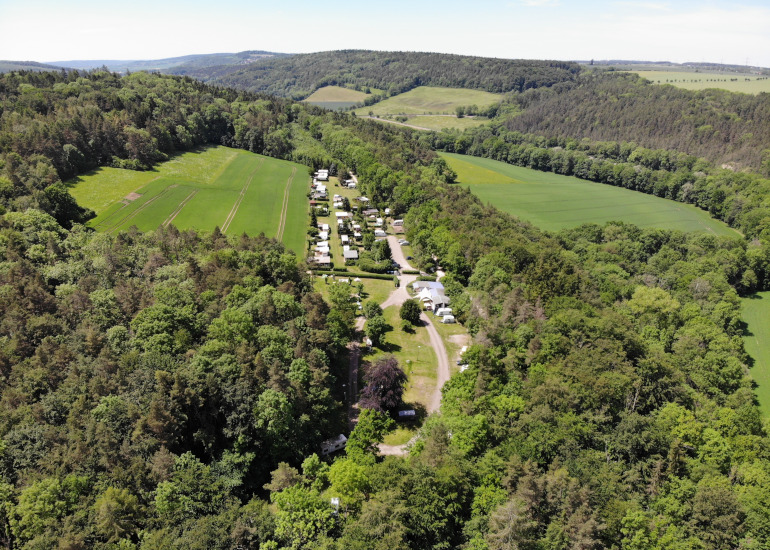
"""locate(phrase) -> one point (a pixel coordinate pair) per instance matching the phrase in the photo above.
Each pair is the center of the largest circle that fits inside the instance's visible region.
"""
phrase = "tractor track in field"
(179, 207)
(237, 205)
(285, 205)
(132, 215)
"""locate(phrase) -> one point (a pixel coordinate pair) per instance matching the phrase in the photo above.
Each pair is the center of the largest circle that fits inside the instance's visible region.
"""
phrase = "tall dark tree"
(385, 382)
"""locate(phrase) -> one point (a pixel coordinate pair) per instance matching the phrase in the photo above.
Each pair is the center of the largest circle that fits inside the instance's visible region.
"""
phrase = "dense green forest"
(724, 127)
(169, 390)
(298, 76)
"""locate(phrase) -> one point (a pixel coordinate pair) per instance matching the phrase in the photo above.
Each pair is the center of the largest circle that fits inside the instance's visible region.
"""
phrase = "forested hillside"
(724, 127)
(168, 390)
(298, 76)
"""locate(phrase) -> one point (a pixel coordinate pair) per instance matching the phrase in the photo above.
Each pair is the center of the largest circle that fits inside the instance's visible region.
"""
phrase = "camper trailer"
(333, 445)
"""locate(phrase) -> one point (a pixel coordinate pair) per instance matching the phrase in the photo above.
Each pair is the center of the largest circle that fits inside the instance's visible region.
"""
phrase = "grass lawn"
(756, 314)
(732, 82)
(414, 354)
(235, 190)
(430, 100)
(374, 289)
(553, 202)
(401, 434)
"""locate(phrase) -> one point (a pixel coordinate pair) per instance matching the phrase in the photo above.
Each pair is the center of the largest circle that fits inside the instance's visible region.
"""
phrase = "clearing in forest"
(430, 100)
(755, 312)
(553, 202)
(335, 97)
(238, 191)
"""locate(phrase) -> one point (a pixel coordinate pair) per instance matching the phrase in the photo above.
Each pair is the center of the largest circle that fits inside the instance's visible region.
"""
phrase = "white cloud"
(539, 3)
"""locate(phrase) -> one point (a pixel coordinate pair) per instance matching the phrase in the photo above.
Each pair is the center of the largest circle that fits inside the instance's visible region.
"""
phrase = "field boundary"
(181, 205)
(237, 205)
(285, 205)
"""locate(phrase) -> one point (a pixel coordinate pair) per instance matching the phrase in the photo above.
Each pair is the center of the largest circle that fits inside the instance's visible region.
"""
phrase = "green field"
(426, 100)
(755, 313)
(335, 93)
(335, 97)
(237, 191)
(553, 202)
(733, 82)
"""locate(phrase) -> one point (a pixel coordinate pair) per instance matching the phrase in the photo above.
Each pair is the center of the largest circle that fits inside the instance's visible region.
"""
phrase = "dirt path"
(179, 208)
(397, 123)
(398, 254)
(285, 206)
(396, 298)
(237, 205)
(442, 374)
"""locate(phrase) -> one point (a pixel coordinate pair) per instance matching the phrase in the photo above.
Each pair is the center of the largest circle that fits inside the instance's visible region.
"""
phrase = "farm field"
(755, 312)
(732, 82)
(426, 100)
(335, 97)
(234, 190)
(553, 202)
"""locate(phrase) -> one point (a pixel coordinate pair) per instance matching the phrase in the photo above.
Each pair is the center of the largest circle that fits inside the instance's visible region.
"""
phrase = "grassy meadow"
(755, 312)
(690, 80)
(427, 100)
(335, 97)
(335, 93)
(553, 202)
(234, 190)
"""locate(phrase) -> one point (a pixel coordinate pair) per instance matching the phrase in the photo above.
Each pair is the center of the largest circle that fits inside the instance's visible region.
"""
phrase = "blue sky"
(715, 31)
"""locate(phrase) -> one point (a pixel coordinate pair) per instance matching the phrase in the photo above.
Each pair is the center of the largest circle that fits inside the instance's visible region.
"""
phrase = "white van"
(448, 319)
(440, 312)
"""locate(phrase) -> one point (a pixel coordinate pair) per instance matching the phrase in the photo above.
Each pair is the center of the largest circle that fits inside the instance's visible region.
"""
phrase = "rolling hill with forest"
(300, 75)
(177, 65)
(172, 388)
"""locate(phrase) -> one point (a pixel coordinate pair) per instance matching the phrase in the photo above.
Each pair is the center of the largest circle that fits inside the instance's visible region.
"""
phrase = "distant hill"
(300, 75)
(176, 65)
(7, 66)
